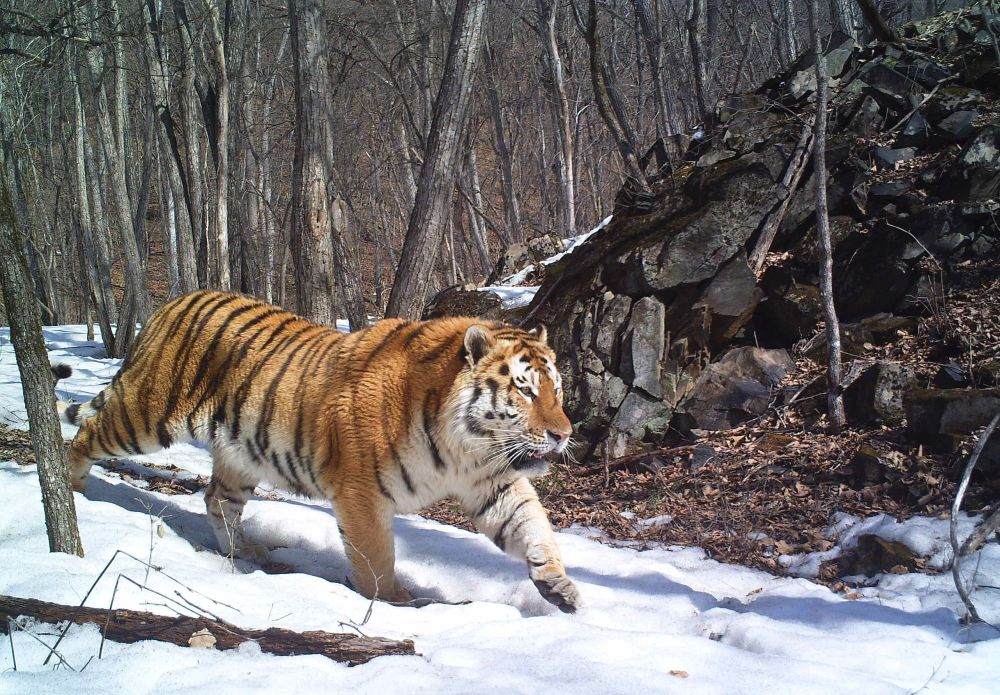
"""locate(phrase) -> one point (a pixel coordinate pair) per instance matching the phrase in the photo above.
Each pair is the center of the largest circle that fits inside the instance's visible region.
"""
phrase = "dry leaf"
(679, 674)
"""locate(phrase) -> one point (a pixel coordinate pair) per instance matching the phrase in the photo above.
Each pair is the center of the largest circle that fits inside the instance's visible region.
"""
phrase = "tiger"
(384, 420)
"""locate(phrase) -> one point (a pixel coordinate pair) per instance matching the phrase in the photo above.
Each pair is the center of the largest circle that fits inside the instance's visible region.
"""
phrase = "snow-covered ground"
(662, 620)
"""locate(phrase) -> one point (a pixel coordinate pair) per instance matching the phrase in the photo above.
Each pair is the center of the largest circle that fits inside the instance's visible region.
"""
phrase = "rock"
(867, 119)
(701, 455)
(639, 416)
(879, 75)
(733, 389)
(870, 468)
(871, 272)
(890, 189)
(708, 238)
(612, 311)
(933, 412)
(879, 329)
(463, 301)
(958, 126)
(787, 316)
(734, 104)
(645, 337)
(951, 376)
(875, 393)
(890, 157)
(714, 157)
(841, 227)
(977, 170)
(519, 256)
(729, 301)
(915, 133)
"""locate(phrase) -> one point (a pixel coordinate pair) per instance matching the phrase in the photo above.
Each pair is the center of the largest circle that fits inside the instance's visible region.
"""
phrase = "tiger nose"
(557, 436)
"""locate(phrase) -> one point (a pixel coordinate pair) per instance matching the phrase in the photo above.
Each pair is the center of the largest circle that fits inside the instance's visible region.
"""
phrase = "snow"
(661, 620)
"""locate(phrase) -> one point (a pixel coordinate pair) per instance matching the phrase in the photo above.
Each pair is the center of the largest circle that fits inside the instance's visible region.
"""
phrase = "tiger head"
(511, 402)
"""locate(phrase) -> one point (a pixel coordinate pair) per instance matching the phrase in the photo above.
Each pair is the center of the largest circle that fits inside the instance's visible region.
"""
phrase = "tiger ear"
(540, 333)
(477, 343)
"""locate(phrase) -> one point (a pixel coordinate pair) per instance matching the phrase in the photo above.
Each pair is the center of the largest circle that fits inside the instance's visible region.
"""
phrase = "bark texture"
(36, 379)
(319, 224)
(429, 218)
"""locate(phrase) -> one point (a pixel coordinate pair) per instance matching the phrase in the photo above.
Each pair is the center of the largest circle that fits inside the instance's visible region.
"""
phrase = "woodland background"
(155, 147)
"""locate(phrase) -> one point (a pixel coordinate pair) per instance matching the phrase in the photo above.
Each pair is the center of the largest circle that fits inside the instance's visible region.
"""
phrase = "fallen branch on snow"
(128, 626)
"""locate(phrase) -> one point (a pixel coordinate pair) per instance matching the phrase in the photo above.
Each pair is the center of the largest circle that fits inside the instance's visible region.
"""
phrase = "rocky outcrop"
(643, 310)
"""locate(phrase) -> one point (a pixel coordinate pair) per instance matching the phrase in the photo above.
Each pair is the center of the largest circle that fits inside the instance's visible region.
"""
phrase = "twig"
(955, 507)
(52, 649)
(80, 607)
(10, 636)
(982, 532)
(923, 101)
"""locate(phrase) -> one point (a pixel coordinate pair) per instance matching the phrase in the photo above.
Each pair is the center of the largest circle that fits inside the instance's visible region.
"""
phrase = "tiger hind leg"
(227, 495)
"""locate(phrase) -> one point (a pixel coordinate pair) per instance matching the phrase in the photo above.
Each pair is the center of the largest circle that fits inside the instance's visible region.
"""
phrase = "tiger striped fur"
(383, 420)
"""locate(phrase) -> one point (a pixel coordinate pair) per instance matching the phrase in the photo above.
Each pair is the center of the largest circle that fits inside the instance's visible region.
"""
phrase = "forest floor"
(771, 487)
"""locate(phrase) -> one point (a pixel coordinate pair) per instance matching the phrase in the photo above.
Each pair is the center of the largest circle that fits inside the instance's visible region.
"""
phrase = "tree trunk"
(159, 77)
(696, 29)
(564, 118)
(610, 105)
(441, 159)
(220, 229)
(835, 398)
(120, 625)
(512, 208)
(36, 378)
(319, 214)
(190, 114)
(93, 228)
(649, 23)
(136, 304)
(874, 18)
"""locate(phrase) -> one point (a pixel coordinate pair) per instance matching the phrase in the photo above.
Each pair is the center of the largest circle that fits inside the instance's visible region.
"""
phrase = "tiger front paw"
(556, 588)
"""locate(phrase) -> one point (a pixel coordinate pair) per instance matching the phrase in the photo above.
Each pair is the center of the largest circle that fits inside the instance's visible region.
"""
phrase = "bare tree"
(835, 396)
(428, 221)
(36, 378)
(319, 213)
(564, 116)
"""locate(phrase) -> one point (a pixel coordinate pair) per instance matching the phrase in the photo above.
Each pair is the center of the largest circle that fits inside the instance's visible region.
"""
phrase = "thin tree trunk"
(697, 24)
(563, 118)
(437, 177)
(36, 378)
(609, 103)
(512, 208)
(221, 226)
(649, 22)
(835, 399)
(319, 214)
(159, 78)
(190, 112)
(93, 228)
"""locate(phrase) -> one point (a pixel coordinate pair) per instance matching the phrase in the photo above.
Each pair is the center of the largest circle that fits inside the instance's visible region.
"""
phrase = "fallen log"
(120, 625)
